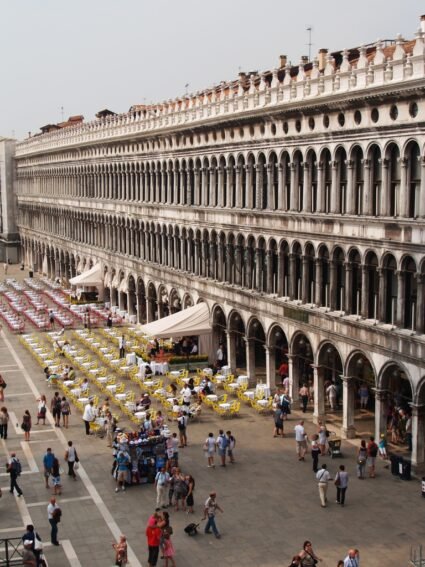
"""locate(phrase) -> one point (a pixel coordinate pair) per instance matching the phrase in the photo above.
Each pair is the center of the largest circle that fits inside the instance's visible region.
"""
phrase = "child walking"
(382, 446)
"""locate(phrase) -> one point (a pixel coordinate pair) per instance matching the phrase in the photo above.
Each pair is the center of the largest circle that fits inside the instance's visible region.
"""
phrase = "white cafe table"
(262, 389)
(212, 397)
(160, 367)
(131, 406)
(243, 379)
(104, 349)
(76, 392)
(109, 356)
(225, 405)
(79, 358)
(175, 373)
(263, 402)
(208, 371)
(89, 339)
(148, 383)
(48, 361)
(102, 379)
(226, 370)
(54, 368)
(111, 387)
(68, 383)
(116, 361)
(161, 392)
(220, 378)
(95, 370)
(249, 394)
(131, 358)
(84, 401)
(44, 356)
(121, 396)
(140, 414)
(96, 344)
(234, 385)
(125, 368)
(87, 364)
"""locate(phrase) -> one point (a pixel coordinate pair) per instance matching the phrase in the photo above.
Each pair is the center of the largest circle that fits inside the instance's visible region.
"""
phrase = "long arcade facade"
(292, 202)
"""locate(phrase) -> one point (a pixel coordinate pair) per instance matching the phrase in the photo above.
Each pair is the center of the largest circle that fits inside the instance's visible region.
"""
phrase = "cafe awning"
(92, 277)
(191, 321)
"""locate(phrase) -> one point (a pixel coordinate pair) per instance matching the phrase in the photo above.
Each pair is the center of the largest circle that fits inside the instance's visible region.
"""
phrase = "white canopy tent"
(191, 321)
(92, 277)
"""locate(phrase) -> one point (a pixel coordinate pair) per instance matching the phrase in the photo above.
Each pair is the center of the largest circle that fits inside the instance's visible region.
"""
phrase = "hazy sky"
(86, 55)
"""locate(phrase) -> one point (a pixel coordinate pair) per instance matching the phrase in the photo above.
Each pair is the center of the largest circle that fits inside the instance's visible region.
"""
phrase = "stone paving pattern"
(270, 500)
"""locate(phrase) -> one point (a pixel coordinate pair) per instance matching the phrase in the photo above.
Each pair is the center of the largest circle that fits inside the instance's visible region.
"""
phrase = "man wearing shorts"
(122, 470)
(301, 440)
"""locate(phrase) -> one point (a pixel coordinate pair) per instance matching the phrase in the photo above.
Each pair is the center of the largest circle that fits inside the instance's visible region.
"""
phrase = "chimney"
(282, 61)
(304, 59)
(423, 24)
(322, 58)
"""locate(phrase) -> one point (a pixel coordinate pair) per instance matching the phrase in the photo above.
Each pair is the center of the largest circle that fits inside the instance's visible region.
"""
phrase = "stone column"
(382, 294)
(269, 255)
(348, 398)
(403, 206)
(248, 198)
(418, 434)
(205, 258)
(197, 262)
(271, 205)
(294, 385)
(259, 269)
(319, 282)
(385, 189)
(239, 188)
(281, 273)
(348, 305)
(305, 278)
(381, 409)
(319, 413)
(294, 187)
(250, 361)
(367, 189)
(320, 196)
(212, 266)
(238, 271)
(400, 298)
(350, 187)
(365, 292)
(307, 206)
(281, 188)
(333, 288)
(420, 206)
(197, 186)
(231, 350)
(334, 205)
(420, 304)
(292, 276)
(270, 367)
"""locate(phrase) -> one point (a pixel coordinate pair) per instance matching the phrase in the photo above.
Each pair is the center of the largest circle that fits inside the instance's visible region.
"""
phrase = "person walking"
(190, 482)
(41, 409)
(54, 514)
(278, 420)
(352, 559)
(36, 544)
(48, 460)
(304, 395)
(162, 480)
(361, 459)
(315, 452)
(307, 555)
(56, 408)
(4, 421)
(221, 443)
(56, 477)
(210, 448)
(301, 440)
(2, 387)
(121, 551)
(121, 345)
(182, 427)
(14, 469)
(210, 509)
(331, 392)
(341, 483)
(231, 444)
(71, 458)
(323, 435)
(65, 411)
(323, 477)
(89, 415)
(26, 425)
(372, 451)
(123, 461)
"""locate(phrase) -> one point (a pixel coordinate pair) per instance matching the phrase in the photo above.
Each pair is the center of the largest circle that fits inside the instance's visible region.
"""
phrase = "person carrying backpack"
(372, 451)
(56, 408)
(222, 443)
(14, 469)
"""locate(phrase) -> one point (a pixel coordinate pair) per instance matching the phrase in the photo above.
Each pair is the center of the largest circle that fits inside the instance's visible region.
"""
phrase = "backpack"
(58, 404)
(373, 450)
(16, 467)
(223, 442)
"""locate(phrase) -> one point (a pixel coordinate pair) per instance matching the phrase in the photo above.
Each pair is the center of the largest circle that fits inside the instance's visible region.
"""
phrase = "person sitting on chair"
(145, 402)
(148, 371)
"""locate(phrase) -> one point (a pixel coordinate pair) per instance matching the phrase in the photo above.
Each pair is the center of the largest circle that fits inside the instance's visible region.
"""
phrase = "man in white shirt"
(187, 395)
(88, 416)
(194, 349)
(53, 518)
(162, 480)
(352, 559)
(323, 477)
(220, 356)
(301, 440)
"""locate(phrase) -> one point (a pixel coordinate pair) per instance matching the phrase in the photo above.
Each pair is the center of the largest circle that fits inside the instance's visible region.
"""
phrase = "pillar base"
(348, 432)
(320, 417)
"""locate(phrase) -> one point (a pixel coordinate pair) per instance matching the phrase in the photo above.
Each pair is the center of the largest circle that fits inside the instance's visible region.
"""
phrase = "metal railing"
(11, 551)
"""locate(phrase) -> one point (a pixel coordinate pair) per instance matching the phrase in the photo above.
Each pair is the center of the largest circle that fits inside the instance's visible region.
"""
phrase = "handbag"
(38, 544)
(337, 480)
(76, 465)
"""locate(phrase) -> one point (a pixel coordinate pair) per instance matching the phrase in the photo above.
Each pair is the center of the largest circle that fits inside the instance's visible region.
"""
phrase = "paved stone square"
(270, 500)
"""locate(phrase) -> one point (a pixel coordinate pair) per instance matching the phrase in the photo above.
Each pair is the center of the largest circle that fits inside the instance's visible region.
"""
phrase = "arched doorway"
(219, 327)
(328, 382)
(256, 354)
(236, 343)
(141, 302)
(152, 302)
(302, 361)
(394, 397)
(132, 300)
(278, 356)
(359, 375)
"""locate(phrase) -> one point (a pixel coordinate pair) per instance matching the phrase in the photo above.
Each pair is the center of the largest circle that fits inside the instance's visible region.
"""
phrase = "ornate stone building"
(291, 201)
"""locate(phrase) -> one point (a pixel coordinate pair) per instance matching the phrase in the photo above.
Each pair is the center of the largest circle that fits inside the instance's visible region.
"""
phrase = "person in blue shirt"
(123, 461)
(48, 460)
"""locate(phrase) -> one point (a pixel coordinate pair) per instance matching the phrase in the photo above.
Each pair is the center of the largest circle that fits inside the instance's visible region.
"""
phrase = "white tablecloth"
(140, 414)
(120, 396)
(250, 394)
(175, 373)
(226, 370)
(102, 379)
(262, 388)
(212, 397)
(84, 401)
(243, 379)
(225, 406)
(234, 385)
(104, 349)
(263, 402)
(208, 371)
(131, 406)
(111, 387)
(159, 367)
(131, 358)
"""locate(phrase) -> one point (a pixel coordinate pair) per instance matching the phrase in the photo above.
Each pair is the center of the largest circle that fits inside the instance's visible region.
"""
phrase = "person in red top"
(372, 451)
(283, 369)
(153, 534)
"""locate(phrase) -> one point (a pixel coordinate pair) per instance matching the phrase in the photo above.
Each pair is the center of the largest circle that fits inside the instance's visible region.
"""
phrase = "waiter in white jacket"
(88, 416)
